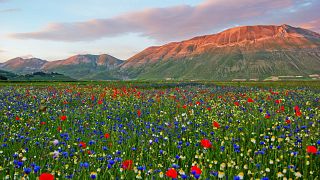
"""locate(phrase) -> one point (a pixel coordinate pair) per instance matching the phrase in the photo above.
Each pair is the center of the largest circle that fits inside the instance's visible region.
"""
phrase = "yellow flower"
(220, 174)
(139, 176)
(279, 174)
(161, 174)
(298, 174)
(271, 162)
(284, 170)
(241, 174)
(181, 172)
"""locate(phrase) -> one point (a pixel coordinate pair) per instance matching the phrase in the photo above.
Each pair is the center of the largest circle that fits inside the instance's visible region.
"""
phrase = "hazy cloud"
(177, 22)
(9, 10)
(313, 25)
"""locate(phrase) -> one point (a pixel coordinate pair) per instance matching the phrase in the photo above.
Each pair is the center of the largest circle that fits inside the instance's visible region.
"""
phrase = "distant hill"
(5, 75)
(41, 76)
(85, 66)
(23, 66)
(78, 67)
(242, 52)
(36, 76)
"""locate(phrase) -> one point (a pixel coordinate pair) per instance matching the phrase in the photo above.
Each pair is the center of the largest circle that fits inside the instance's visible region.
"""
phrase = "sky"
(57, 29)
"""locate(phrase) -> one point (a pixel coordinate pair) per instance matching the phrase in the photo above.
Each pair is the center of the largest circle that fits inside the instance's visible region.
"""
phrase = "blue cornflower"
(183, 176)
(27, 170)
(36, 169)
(111, 161)
(236, 178)
(197, 176)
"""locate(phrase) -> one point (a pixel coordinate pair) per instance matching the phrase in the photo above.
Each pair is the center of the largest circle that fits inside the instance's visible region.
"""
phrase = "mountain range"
(78, 67)
(246, 52)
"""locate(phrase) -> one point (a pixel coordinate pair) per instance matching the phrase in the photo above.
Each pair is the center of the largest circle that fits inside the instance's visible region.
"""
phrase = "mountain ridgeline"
(247, 52)
(83, 67)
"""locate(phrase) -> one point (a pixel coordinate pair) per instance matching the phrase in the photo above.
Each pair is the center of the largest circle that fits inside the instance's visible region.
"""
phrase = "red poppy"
(196, 170)
(198, 103)
(89, 152)
(100, 102)
(298, 113)
(92, 98)
(172, 173)
(267, 116)
(17, 118)
(209, 108)
(236, 103)
(278, 101)
(206, 143)
(184, 106)
(288, 121)
(312, 149)
(82, 144)
(42, 123)
(106, 135)
(59, 128)
(282, 108)
(296, 108)
(46, 176)
(63, 118)
(216, 124)
(250, 100)
(269, 98)
(139, 112)
(127, 164)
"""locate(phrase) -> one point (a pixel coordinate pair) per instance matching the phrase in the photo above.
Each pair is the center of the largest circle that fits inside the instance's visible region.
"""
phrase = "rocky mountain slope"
(241, 52)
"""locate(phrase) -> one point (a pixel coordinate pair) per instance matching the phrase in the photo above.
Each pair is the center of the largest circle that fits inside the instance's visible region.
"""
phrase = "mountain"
(85, 66)
(247, 52)
(241, 52)
(88, 67)
(23, 66)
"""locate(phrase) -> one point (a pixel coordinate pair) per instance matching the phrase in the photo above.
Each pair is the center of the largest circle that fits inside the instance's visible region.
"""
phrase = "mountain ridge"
(241, 52)
(229, 37)
(76, 66)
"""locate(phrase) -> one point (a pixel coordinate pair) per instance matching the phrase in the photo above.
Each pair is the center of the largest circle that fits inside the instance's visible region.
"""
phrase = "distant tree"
(3, 78)
(39, 73)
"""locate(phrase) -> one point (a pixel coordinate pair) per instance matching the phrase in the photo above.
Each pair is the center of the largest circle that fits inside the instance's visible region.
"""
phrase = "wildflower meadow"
(151, 131)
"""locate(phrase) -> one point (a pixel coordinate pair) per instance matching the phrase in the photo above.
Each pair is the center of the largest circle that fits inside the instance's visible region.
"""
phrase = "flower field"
(177, 131)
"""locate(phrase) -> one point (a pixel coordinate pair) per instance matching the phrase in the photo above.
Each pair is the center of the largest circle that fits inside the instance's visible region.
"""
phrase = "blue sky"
(58, 29)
